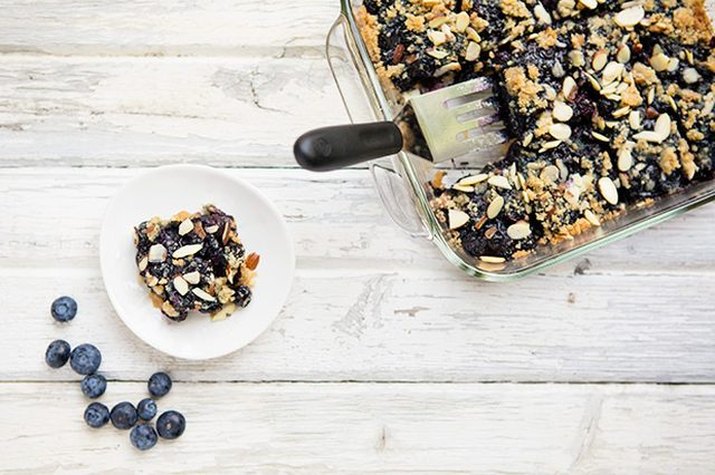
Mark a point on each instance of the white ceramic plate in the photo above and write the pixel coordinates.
(163, 192)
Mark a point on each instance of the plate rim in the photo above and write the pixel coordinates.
(207, 169)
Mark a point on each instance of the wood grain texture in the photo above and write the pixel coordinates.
(368, 428)
(183, 27)
(88, 89)
(370, 303)
(227, 111)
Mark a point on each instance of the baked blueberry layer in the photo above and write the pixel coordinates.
(609, 104)
(195, 262)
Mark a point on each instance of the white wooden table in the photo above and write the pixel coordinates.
(385, 358)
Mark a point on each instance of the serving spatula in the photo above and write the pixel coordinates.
(458, 122)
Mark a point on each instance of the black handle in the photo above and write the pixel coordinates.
(331, 148)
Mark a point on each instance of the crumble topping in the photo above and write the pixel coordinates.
(609, 104)
(195, 262)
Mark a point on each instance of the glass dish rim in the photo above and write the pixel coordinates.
(427, 215)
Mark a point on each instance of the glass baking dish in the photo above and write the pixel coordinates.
(402, 180)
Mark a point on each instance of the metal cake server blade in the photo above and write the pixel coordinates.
(458, 122)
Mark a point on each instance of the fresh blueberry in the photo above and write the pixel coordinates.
(159, 384)
(64, 309)
(85, 359)
(96, 415)
(143, 437)
(57, 353)
(94, 385)
(170, 425)
(124, 415)
(146, 409)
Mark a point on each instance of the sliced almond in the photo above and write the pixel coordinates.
(492, 259)
(168, 309)
(223, 313)
(590, 4)
(623, 55)
(593, 81)
(560, 131)
(659, 62)
(186, 227)
(541, 14)
(474, 179)
(612, 72)
(143, 263)
(625, 158)
(622, 112)
(462, 188)
(528, 138)
(437, 53)
(663, 126)
(473, 51)
(192, 278)
(707, 108)
(634, 120)
(569, 88)
(449, 67)
(461, 22)
(591, 217)
(558, 69)
(473, 35)
(648, 136)
(211, 229)
(608, 190)
(629, 17)
(436, 37)
(157, 253)
(181, 285)
(600, 137)
(519, 230)
(457, 218)
(549, 145)
(599, 60)
(691, 75)
(186, 251)
(500, 182)
(550, 174)
(562, 111)
(495, 207)
(673, 65)
(203, 295)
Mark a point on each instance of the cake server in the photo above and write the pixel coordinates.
(459, 122)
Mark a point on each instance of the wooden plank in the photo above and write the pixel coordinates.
(368, 325)
(184, 27)
(335, 216)
(370, 303)
(228, 111)
(368, 428)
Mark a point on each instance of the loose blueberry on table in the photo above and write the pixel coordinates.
(170, 425)
(124, 415)
(96, 415)
(143, 437)
(93, 385)
(57, 354)
(85, 359)
(64, 309)
(159, 384)
(146, 409)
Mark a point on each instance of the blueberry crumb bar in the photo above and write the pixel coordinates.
(195, 262)
(609, 105)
